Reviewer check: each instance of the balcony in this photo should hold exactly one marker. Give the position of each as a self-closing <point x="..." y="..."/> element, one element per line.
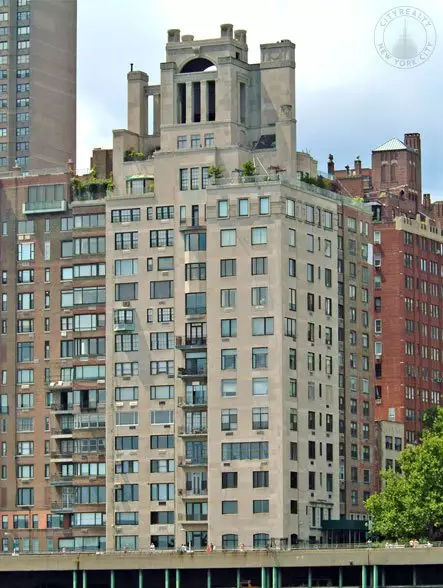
<point x="122" y="327"/>
<point x="195" y="400"/>
<point x="58" y="454"/>
<point x="190" y="342"/>
<point x="192" y="431"/>
<point x="191" y="226"/>
<point x="195" y="494"/>
<point x="62" y="407"/>
<point x="44" y="207"/>
<point x="192" y="371"/>
<point x="190" y="462"/>
<point x="194" y="310"/>
<point x="61" y="480"/>
<point x="63" y="506"/>
<point x="67" y="432"/>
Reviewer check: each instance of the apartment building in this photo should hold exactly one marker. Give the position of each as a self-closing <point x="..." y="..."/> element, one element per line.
<point x="408" y="321"/>
<point x="225" y="422"/>
<point x="38" y="55"/>
<point x="52" y="361"/>
<point x="357" y="435"/>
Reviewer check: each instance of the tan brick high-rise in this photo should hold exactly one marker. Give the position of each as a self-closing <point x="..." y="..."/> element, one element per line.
<point x="225" y="422"/>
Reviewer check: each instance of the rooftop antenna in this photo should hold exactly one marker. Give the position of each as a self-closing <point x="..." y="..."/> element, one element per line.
<point x="132" y="67"/>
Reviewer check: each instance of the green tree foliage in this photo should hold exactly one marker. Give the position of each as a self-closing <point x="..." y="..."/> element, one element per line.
<point x="410" y="506"/>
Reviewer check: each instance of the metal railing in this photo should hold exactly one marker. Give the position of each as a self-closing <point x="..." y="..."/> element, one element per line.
<point x="220" y="551"/>
<point x="190" y="341"/>
<point x="292" y="183"/>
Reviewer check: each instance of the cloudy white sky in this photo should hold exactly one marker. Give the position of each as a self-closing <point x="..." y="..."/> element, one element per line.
<point x="348" y="99"/>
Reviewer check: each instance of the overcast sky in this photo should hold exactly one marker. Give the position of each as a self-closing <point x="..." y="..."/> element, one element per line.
<point x="348" y="99"/>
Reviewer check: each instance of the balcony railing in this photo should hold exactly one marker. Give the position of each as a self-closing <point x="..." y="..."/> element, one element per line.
<point x="195" y="310"/>
<point x="183" y="342"/>
<point x="43" y="207"/>
<point x="129" y="326"/>
<point x="193" y="461"/>
<point x="65" y="431"/>
<point x="196" y="399"/>
<point x="62" y="406"/>
<point x="187" y="430"/>
<point x="64" y="505"/>
<point x="190" y="371"/>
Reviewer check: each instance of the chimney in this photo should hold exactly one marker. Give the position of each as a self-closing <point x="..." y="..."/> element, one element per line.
<point x="174" y="36"/>
<point x="427" y="201"/>
<point x="227" y="30"/>
<point x="331" y="165"/>
<point x="357" y="166"/>
<point x="347" y="170"/>
<point x="240" y="35"/>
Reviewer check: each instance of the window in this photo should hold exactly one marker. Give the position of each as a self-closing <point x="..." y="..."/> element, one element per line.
<point x="260" y="506"/>
<point x="164" y="238"/>
<point x="126" y="267"/>
<point x="259" y="266"/>
<point x="228" y="268"/>
<point x="128" y="291"/>
<point x="292" y="270"/>
<point x="162" y="441"/>
<point x="162" y="340"/>
<point x="25" y="377"/>
<point x="223" y="208"/>
<point x="25" y="351"/>
<point x="260" y="479"/>
<point x="25" y="497"/>
<point x="228" y="388"/>
<point x="164" y="289"/>
<point x="195" y="271"/>
<point x="259" y="236"/>
<point x="126" y="369"/>
<point x="123" y="240"/>
<point x="243" y="207"/>
<point x="162" y="466"/>
<point x="229" y="507"/>
<point x="259" y="357"/>
<point x="161" y="392"/>
<point x="162" y="492"/>
<point x="67" y="249"/>
<point x="229" y="419"/>
<point x="123" y="343"/>
<point x="263" y="326"/>
<point x="25" y="301"/>
<point x="228" y="359"/>
<point x="195" y="303"/>
<point x="228" y="328"/>
<point x="264" y="205"/>
<point x="245" y="451"/>
<point x="126" y="493"/>
<point x="228" y="238"/>
<point x="126" y="418"/>
<point x="260" y="418"/>
<point x="229" y="480"/>
<point x="259" y="386"/>
<point x="228" y="298"/>
<point x="26" y="251"/>
<point x="290" y="326"/>
<point x="259" y="296"/>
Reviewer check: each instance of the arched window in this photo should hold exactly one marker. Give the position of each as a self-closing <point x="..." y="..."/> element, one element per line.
<point x="196" y="65"/>
<point x="261" y="540"/>
<point x="393" y="172"/>
<point x="230" y="541"/>
<point x="384" y="172"/>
